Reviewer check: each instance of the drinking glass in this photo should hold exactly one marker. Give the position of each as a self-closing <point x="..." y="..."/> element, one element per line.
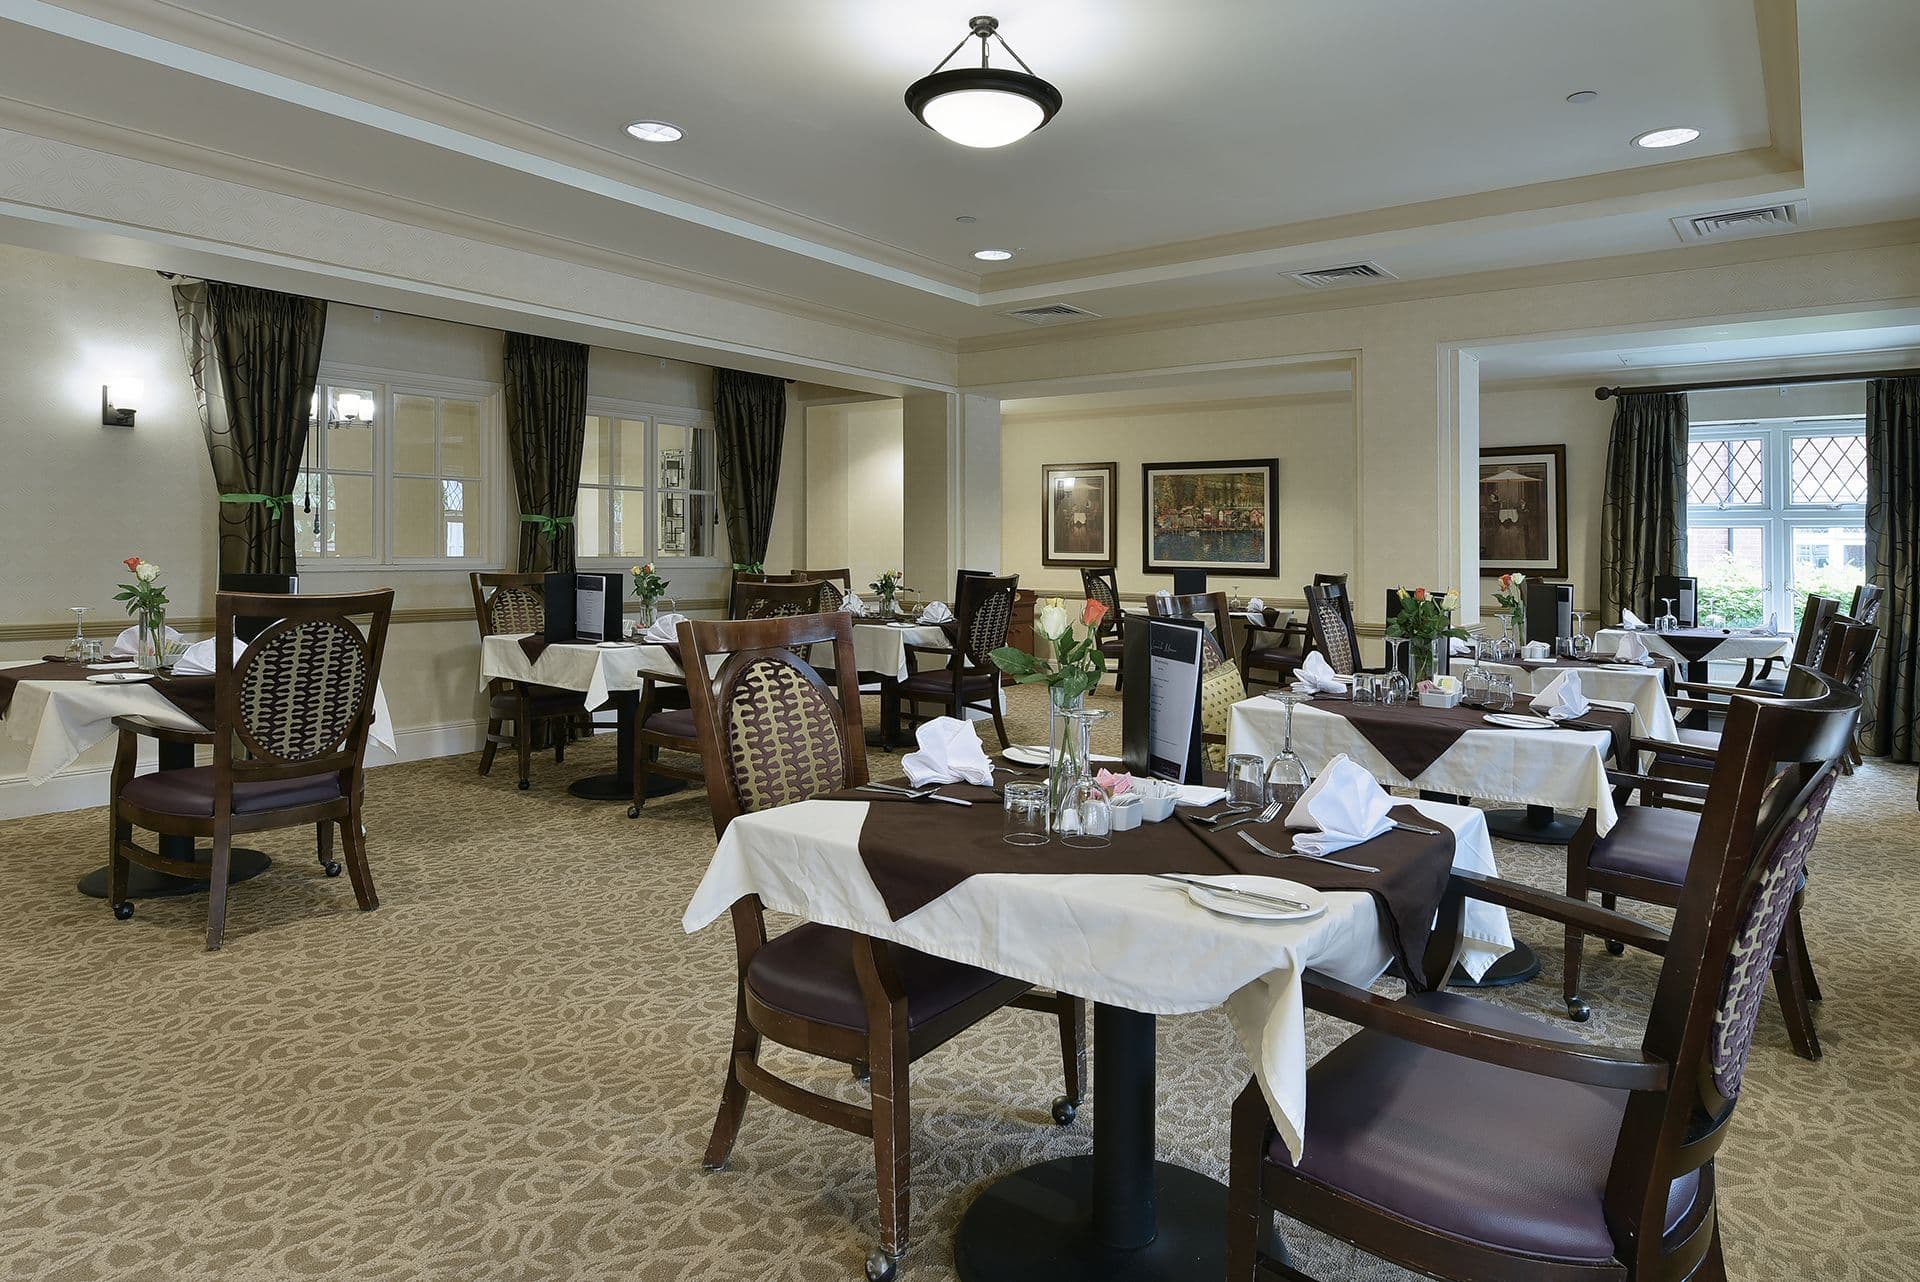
<point x="1394" y="689"/>
<point x="77" y="648"/>
<point x="1474" y="685"/>
<point x="1247" y="779"/>
<point x="1361" y="691"/>
<point x="1026" y="814"/>
<point x="1287" y="776"/>
<point x="1087" y="816"/>
<point x="1499" y="692"/>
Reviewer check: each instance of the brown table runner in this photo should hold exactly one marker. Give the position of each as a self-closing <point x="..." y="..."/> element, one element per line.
<point x="533" y="645"/>
<point x="192" y="695"/>
<point x="1412" y="737"/>
<point x="1660" y="663"/>
<point x="1696" y="644"/>
<point x="916" y="851"/>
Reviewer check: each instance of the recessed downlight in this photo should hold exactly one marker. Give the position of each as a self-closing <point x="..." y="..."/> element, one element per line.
<point x="1671" y="136"/>
<point x="656" y="131"/>
<point x="993" y="255"/>
<point x="1580" y="97"/>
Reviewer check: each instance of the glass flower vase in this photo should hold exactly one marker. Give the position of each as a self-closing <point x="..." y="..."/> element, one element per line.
<point x="151" y="639"/>
<point x="1069" y="751"/>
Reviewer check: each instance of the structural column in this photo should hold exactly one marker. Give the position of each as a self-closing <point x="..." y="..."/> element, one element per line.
<point x="950" y="472"/>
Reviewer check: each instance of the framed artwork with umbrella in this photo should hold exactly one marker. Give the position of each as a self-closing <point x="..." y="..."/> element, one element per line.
<point x="1523" y="510"/>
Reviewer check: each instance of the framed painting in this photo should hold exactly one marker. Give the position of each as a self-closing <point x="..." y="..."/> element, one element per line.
<point x="1211" y="516"/>
<point x="1523" y="511"/>
<point x="1079" y="517"/>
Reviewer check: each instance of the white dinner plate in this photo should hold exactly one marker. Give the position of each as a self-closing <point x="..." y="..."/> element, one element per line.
<point x="614" y="645"/>
<point x="1626" y="667"/>
<point x="1036" y="754"/>
<point x="119" y="678"/>
<point x="1519" y="721"/>
<point x="1252" y="909"/>
<point x="119" y="665"/>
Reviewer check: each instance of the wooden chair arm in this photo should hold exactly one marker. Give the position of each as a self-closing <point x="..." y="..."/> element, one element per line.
<point x="1655" y="783"/>
<point x="1674" y="748"/>
<point x="1564" y="909"/>
<point x="1581" y="1062"/>
<point x="166" y="734"/>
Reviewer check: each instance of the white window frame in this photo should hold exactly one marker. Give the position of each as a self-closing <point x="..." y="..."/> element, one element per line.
<point x="655" y="417"/>
<point x="1779" y="515"/>
<point x="484" y="497"/>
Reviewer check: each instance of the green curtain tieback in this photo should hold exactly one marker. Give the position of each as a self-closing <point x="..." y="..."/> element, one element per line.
<point x="277" y="504"/>
<point x="549" y="525"/>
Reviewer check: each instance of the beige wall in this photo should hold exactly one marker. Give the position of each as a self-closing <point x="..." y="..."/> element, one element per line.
<point x="853" y="487"/>
<point x="1313" y="437"/>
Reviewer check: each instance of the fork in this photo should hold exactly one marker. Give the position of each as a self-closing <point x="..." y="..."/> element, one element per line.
<point x="1271" y="853"/>
<point x="920" y="794"/>
<point x="1218" y="815"/>
<point x="1267" y="816"/>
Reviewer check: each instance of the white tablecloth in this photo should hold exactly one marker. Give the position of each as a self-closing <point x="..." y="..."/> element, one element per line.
<point x="1645" y="691"/>
<point x="1123" y="940"/>
<point x="876" y="648"/>
<point x="1564" y="769"/>
<point x="1735" y="649"/>
<point x="585" y="667"/>
<point x="62" y="719"/>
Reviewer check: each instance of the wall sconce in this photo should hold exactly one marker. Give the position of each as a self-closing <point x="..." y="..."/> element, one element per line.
<point x="120" y="400"/>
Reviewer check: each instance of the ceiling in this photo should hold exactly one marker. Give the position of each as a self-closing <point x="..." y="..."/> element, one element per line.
<point x="1197" y="159"/>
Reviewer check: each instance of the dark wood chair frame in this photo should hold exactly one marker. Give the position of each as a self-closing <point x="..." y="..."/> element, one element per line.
<point x="963" y="661"/>
<point x="239" y="757"/>
<point x="1331" y="589"/>
<point x="559" y="726"/>
<point x="1778" y="753"/>
<point x="881" y="1054"/>
<point x="1102" y="583"/>
<point x="1819" y="612"/>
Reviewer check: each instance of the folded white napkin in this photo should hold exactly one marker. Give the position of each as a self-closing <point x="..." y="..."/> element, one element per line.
<point x="1316" y="676"/>
<point x="1256" y="610"/>
<point x="1459" y="647"/>
<point x="665" y="629"/>
<point x="1563" y="700"/>
<point x="936" y="612"/>
<point x="853" y="605"/>
<point x="1199" y="794"/>
<point x="1631" y="649"/>
<point x="950" y="752"/>
<point x="1345" y="805"/>
<point x="1631" y="621"/>
<point x="127" y="644"/>
<point x="198" y="659"/>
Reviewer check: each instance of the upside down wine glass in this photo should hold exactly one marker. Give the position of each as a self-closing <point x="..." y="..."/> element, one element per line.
<point x="1287" y="776"/>
<point x="77" y="648"/>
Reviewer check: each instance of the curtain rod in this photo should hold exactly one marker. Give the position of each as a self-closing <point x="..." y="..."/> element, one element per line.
<point x="1798" y="380"/>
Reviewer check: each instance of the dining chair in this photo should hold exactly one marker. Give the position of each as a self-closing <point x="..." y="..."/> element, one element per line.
<point x="1272" y="648"/>
<point x="1101" y="583"/>
<point x="511" y="604"/>
<point x="1647" y="853"/>
<point x="773" y="733"/>
<point x="1220" y="683"/>
<point x="291" y="715"/>
<point x="1814" y="618"/>
<point x="967" y="678"/>
<point x="1467" y="1141"/>
<point x="835" y="585"/>
<point x="1330" y="627"/>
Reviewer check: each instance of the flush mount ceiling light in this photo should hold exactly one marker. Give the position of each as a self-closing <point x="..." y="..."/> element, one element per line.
<point x="1671" y="136"/>
<point x="656" y="131"/>
<point x="993" y="255"/>
<point x="983" y="106"/>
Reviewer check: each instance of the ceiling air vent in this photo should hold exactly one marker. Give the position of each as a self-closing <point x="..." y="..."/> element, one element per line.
<point x="1731" y="224"/>
<point x="1333" y="277"/>
<point x="1052" y="314"/>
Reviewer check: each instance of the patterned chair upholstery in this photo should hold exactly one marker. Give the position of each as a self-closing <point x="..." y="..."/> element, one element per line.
<point x="834" y="586"/>
<point x="774" y="732"/>
<point x="1101" y="584"/>
<point x="1605" y="1165"/>
<point x="982" y="614"/>
<point x="516" y="605"/>
<point x="1330" y="625"/>
<point x="291" y="716"/>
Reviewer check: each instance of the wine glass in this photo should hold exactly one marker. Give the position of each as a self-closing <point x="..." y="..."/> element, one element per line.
<point x="1669" y="621"/>
<point x="77" y="648"/>
<point x="1499" y="692"/>
<point x="1287" y="776"/>
<point x="1582" y="643"/>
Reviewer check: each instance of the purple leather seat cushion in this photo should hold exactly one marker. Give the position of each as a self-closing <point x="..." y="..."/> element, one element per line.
<point x="1649" y="842"/>
<point x="1489" y="1155"/>
<point x="809" y="972"/>
<point x="189" y="793"/>
<point x="678" y="722"/>
<point x="940" y="681"/>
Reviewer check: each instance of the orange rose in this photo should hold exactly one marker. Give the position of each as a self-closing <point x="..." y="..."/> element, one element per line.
<point x="1092" y="615"/>
<point x="1506" y="582"/>
<point x="132" y="563"/>
<point x="1419" y="594"/>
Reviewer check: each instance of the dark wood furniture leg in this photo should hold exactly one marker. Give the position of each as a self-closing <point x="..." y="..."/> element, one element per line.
<point x="145" y="883"/>
<point x="1117" y="1214"/>
<point x="618" y="786"/>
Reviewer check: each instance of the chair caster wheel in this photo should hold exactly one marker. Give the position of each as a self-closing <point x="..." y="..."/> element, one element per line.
<point x="331" y="867"/>
<point x="1615" y="947"/>
<point x="882" y="1267"/>
<point x="525" y="784"/>
<point x="1064" y="1111"/>
<point x="123" y="910"/>
<point x="633" y="811"/>
<point x="1578" y="1011"/>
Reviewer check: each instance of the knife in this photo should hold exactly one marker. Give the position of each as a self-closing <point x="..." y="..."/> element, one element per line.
<point x="909" y="793"/>
<point x="1272" y="901"/>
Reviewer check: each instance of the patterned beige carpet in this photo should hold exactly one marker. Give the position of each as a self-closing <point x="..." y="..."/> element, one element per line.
<point x="508" y="1072"/>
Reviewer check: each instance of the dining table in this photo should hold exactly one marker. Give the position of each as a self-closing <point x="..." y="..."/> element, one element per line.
<point x="1643" y="686"/>
<point x="1106" y="925"/>
<point x="59" y="711"/>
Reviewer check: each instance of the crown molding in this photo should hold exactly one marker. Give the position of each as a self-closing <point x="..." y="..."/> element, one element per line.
<point x="1198" y="405"/>
<point x="1658" y="262"/>
<point x="171" y="153"/>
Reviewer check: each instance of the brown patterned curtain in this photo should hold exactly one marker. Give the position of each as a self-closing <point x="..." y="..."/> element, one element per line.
<point x="1643" y="522"/>
<point x="750" y="415"/>
<point x="546" y="396"/>
<point x="254" y="355"/>
<point x="1893" y="560"/>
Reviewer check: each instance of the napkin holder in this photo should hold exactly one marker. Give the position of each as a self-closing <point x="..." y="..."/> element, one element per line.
<point x="1438" y="698"/>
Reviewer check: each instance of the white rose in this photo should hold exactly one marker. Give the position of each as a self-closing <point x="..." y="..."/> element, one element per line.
<point x="1053" y="619"/>
<point x="1451" y="601"/>
<point x="148" y="572"/>
<point x="1519" y="580"/>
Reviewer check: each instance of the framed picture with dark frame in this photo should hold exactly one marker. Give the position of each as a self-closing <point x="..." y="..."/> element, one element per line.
<point x="1522" y="503"/>
<point x="1215" y="516"/>
<point x="1079" y="513"/>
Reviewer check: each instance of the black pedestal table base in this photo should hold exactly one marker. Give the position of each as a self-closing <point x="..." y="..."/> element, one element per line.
<point x="1517" y="967"/>
<point x="1118" y="1215"/>
<point x="1540" y="825"/>
<point x="145" y="883"/>
<point x="618" y="786"/>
